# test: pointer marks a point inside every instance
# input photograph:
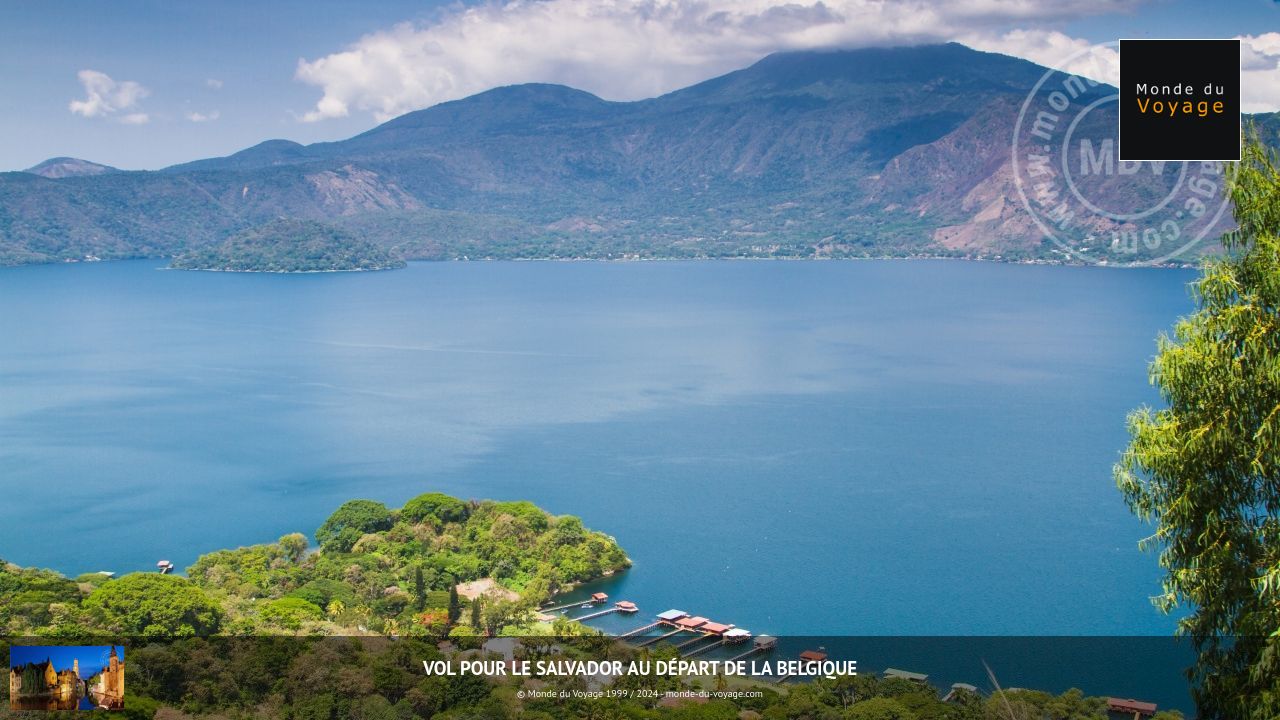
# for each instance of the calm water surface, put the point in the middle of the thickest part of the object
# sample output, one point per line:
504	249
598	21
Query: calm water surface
860	448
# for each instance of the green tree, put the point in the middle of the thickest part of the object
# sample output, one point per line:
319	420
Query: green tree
154	605
335	608
878	708
498	613
419	589
353	519
1206	468
294	546
322	591
455	604
475	613
290	612
439	506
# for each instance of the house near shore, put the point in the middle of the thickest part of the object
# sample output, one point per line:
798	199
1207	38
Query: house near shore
905	675
765	642
813	656
691	623
1130	708
672	615
958	689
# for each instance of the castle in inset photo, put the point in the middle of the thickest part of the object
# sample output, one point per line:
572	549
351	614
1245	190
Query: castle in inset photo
83	677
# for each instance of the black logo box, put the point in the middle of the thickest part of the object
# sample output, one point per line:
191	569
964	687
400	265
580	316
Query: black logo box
1187	68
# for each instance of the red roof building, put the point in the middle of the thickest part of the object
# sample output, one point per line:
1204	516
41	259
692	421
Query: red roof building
813	656
691	623
1136	708
715	627
599	597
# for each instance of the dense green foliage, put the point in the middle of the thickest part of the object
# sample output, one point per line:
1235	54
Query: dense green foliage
289	246
351	522
153	605
1206	468
254	596
383	569
379	570
31	598
290	612
434	507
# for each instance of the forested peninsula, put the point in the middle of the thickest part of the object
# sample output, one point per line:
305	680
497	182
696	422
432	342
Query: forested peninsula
377	570
289	246
285	630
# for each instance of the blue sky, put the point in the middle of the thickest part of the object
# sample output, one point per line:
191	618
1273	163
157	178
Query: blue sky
92	657
156	83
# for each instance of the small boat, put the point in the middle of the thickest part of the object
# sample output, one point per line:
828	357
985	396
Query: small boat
164	566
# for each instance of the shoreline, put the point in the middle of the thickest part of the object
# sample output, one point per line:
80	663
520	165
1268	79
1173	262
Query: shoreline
623	260
261	272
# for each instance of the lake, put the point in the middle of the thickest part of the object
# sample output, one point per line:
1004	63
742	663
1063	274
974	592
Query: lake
870	448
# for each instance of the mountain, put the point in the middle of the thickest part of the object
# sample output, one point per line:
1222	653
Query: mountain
61	167
872	152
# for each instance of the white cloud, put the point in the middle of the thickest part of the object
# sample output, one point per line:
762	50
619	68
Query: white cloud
629	49
214	83
199	117
1053	49
1259	61
105	97
1260	72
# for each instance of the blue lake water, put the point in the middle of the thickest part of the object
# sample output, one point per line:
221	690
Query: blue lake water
798	448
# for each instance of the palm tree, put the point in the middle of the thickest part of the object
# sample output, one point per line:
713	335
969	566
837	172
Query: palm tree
364	613
335	608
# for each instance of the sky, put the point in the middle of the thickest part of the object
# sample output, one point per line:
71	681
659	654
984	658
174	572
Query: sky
92	657
143	84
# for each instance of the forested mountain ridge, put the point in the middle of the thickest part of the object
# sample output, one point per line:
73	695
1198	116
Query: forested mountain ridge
859	153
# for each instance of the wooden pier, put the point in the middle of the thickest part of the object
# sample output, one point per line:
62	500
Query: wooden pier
762	643
698	639
596	614
622	606
659	638
705	648
638	631
580	603
597	599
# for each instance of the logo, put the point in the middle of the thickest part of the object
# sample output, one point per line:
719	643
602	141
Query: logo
1094	206
1180	99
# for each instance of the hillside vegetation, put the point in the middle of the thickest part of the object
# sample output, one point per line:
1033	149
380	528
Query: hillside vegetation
377	570
284	631
863	153
285	245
